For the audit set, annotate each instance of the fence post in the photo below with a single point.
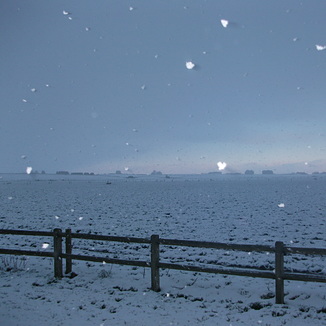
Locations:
(68, 251)
(279, 271)
(155, 258)
(57, 244)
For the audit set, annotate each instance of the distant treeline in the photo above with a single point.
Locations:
(74, 173)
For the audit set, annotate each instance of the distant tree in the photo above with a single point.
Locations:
(267, 172)
(156, 172)
(62, 172)
(250, 172)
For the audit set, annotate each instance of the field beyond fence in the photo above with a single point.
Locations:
(278, 273)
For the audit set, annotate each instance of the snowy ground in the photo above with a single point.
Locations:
(232, 209)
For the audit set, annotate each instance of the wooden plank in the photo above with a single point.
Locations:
(25, 232)
(26, 253)
(216, 245)
(109, 260)
(305, 251)
(225, 271)
(305, 277)
(109, 238)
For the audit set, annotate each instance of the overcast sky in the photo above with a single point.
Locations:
(103, 85)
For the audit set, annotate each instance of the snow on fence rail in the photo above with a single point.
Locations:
(279, 274)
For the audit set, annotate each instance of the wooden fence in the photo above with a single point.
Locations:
(279, 274)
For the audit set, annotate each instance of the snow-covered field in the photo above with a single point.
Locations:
(241, 209)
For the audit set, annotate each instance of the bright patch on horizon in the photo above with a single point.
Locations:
(221, 165)
(281, 205)
(190, 65)
(224, 23)
(29, 170)
(320, 47)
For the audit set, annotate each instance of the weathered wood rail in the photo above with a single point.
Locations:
(278, 274)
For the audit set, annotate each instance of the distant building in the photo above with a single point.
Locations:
(118, 172)
(62, 172)
(249, 172)
(76, 173)
(267, 172)
(156, 172)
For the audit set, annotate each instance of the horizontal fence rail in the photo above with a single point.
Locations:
(154, 242)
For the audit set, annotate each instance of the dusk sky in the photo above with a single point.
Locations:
(175, 86)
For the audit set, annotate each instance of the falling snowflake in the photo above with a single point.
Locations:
(24, 100)
(23, 157)
(45, 245)
(80, 218)
(190, 65)
(87, 29)
(224, 23)
(221, 165)
(66, 13)
(33, 90)
(281, 205)
(320, 47)
(29, 170)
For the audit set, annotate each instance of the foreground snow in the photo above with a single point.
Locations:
(221, 208)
